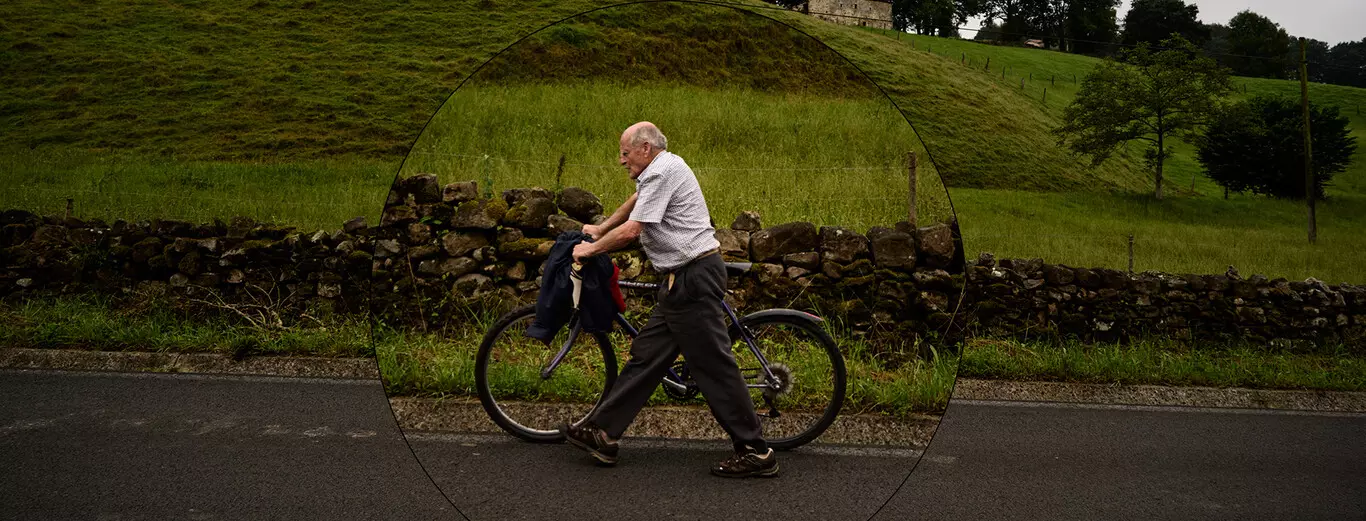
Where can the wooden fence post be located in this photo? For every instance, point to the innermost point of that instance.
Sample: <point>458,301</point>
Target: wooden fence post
<point>69,202</point>
<point>911,197</point>
<point>559,173</point>
<point>988,67</point>
<point>1131,254</point>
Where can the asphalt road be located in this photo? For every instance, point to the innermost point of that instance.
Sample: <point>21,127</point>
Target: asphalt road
<point>1007,460</point>
<point>124,446</point>
<point>492,477</point>
<point>147,446</point>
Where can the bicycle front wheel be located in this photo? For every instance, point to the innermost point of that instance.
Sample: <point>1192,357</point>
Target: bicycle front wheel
<point>507,376</point>
<point>810,369</point>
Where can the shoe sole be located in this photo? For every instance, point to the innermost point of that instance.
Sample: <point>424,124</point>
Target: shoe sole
<point>765,473</point>
<point>602,458</point>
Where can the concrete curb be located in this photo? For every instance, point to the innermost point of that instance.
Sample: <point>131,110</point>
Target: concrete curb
<point>675,422</point>
<point>130,361</point>
<point>997,390</point>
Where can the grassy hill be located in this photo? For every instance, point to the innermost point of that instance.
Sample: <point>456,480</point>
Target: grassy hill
<point>301,111</point>
<point>280,80</point>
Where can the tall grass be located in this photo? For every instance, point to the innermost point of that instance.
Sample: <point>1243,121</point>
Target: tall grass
<point>313,195</point>
<point>790,157</point>
<point>1180,235</point>
<point>98,323</point>
<point>1163,363</point>
<point>443,365</point>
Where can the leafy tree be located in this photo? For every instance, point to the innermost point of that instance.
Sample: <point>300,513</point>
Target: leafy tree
<point>1316,52</point>
<point>1152,21</point>
<point>1217,44</point>
<point>1257,146</point>
<point>1090,21</point>
<point>989,32</point>
<point>1348,61</point>
<point>1257,45</point>
<point>1146,96</point>
<point>903,14</point>
<point>1013,14</point>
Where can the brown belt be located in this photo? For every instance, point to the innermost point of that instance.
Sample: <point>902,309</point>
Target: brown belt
<point>703,255</point>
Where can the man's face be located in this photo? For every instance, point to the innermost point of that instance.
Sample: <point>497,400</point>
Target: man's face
<point>635,158</point>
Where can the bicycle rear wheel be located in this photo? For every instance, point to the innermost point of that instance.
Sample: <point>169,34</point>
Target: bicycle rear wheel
<point>507,377</point>
<point>811,370</point>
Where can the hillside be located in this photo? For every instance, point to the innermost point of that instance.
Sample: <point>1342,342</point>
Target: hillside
<point>287,81</point>
<point>300,112</point>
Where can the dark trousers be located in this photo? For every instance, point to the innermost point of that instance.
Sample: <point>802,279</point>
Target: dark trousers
<point>687,319</point>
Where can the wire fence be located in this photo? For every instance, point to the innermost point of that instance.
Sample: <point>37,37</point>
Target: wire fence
<point>1245,253</point>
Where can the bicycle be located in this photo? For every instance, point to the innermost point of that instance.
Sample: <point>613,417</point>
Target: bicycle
<point>785,357</point>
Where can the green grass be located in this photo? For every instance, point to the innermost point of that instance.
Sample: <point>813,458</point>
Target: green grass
<point>216,80</point>
<point>1179,235</point>
<point>312,195</point>
<point>443,365</point>
<point>1163,363</point>
<point>97,323</point>
<point>788,156</point>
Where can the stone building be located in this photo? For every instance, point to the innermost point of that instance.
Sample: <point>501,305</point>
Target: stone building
<point>866,13</point>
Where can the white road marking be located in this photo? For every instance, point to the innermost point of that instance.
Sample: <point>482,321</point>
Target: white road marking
<point>1149,408</point>
<point>471,440</point>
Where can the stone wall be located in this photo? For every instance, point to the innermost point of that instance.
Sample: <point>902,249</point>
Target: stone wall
<point>443,252</point>
<point>447,245</point>
<point>1028,297</point>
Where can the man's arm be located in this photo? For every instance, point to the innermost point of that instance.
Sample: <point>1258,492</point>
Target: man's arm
<point>617,217</point>
<point>619,236</point>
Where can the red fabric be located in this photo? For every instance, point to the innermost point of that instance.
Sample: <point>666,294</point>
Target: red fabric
<point>616,290</point>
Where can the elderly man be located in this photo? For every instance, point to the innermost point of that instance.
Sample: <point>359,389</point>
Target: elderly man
<point>669,216</point>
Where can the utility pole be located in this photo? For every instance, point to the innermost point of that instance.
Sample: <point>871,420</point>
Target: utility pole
<point>1308,144</point>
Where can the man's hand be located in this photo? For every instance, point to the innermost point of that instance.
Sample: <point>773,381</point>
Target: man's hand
<point>593,231</point>
<point>583,249</point>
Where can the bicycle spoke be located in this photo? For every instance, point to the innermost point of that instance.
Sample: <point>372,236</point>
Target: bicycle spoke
<point>530,403</point>
<point>798,355</point>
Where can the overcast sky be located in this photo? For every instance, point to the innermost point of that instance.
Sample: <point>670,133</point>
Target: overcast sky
<point>1332,21</point>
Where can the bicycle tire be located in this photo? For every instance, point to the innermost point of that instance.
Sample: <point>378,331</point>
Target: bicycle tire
<point>491,404</point>
<point>831,349</point>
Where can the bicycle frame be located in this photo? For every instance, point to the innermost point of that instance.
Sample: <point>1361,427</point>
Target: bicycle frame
<point>672,379</point>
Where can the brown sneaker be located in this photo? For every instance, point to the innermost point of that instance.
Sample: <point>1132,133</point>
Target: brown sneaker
<point>591,439</point>
<point>743,465</point>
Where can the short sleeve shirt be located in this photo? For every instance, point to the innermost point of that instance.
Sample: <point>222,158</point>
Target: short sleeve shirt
<point>677,226</point>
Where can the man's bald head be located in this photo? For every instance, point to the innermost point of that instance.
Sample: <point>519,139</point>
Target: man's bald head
<point>640,143</point>
<point>645,132</point>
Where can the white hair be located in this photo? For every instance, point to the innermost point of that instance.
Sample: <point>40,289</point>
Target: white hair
<point>651,135</point>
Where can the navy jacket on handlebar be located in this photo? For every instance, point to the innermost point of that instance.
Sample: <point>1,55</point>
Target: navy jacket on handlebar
<point>598,303</point>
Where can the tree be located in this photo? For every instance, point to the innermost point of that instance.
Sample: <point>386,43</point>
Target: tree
<point>989,32</point>
<point>1258,146</point>
<point>1152,21</point>
<point>1257,46</point>
<point>1318,55</point>
<point>1217,44</point>
<point>1090,21</point>
<point>1146,96</point>
<point>935,17</point>
<point>1348,61</point>
<point>1012,14</point>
